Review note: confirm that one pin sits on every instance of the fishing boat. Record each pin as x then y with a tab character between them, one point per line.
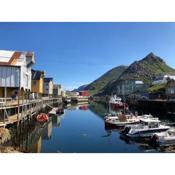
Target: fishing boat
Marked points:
112	115
116	103
146	128
115	116
163	139
121	121
42	117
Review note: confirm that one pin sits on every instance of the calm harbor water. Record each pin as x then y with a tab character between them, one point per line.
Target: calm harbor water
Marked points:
78	130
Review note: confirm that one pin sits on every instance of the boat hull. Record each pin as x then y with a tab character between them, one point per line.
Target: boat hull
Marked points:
146	134
120	124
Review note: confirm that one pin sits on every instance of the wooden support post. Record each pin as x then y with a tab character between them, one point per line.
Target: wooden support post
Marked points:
18	119
5	94
22	112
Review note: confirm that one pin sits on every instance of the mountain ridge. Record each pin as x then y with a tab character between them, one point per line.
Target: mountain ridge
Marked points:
145	69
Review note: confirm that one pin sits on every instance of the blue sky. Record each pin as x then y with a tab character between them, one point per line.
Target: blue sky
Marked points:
78	53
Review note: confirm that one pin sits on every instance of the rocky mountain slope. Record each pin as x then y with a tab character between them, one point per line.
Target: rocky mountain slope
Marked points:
110	76
146	70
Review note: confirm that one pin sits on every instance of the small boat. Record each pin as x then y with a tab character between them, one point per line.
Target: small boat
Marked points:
56	111
42	117
163	139
128	116
146	128
121	121
53	111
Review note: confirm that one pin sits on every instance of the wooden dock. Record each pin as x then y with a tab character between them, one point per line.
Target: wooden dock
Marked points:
13	111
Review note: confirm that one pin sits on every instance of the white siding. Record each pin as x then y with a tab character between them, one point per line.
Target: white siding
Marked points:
9	76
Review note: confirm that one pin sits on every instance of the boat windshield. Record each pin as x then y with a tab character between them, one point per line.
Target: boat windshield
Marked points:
153	125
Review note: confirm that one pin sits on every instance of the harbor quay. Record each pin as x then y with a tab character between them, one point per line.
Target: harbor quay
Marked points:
15	111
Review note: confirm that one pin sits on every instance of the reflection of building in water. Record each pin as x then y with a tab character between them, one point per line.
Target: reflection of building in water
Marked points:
37	146
71	107
47	131
27	137
55	121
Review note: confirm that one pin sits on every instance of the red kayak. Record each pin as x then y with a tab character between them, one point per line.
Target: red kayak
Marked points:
42	117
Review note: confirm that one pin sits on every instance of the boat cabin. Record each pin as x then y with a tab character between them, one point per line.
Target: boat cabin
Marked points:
151	122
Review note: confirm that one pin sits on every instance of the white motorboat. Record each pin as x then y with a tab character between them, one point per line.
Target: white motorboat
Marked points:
146	128
163	139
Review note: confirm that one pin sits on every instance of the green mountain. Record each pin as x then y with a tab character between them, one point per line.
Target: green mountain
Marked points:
98	85
146	70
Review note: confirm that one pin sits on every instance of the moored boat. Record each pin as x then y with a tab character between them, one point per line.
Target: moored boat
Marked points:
121	120
116	103
42	117
163	139
146	128
111	117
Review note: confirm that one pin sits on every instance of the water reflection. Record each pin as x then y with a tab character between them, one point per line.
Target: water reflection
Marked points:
28	136
47	131
80	129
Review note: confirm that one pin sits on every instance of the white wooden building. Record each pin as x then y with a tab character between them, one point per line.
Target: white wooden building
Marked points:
56	90
15	71
48	86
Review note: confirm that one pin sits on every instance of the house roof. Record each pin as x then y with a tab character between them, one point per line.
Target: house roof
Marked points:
48	79
11	57
37	74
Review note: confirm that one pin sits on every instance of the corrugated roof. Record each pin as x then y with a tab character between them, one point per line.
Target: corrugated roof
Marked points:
10	57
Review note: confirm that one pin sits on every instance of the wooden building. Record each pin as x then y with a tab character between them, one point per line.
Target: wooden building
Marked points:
15	72
56	90
38	82
48	86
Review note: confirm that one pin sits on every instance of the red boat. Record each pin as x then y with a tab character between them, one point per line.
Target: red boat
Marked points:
42	117
116	103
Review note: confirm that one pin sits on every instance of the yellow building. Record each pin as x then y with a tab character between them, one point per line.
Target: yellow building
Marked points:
37	81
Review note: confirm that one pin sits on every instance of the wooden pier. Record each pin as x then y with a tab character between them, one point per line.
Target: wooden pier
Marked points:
12	111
